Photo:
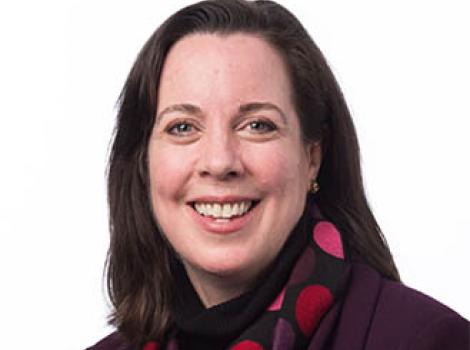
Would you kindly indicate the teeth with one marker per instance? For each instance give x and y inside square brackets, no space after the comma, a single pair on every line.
[216,209]
[223,211]
[227,210]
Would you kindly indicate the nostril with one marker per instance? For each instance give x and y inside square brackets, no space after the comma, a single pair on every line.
[232,173]
[221,172]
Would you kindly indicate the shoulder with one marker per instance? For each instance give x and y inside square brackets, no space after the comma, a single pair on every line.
[401,317]
[114,341]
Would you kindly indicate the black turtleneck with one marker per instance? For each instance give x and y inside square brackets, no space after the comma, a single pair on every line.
[216,327]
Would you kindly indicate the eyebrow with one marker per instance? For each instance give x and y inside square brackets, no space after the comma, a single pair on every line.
[258,106]
[242,110]
[182,107]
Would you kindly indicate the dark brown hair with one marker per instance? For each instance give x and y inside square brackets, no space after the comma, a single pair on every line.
[138,274]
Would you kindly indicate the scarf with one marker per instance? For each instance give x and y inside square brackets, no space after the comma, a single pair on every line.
[283,309]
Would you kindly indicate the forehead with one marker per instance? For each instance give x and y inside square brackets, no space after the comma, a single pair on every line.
[209,66]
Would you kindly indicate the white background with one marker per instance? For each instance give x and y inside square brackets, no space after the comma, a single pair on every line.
[403,66]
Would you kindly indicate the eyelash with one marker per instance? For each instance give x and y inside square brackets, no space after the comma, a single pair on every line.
[171,129]
[267,127]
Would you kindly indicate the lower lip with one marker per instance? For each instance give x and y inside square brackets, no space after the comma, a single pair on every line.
[222,226]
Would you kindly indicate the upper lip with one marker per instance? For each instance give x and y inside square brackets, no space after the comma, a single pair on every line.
[222,199]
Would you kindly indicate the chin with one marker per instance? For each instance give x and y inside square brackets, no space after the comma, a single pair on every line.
[225,265]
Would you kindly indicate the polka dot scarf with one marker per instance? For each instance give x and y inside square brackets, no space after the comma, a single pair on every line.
[284,310]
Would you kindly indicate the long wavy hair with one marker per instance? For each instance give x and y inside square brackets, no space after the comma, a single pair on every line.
[139,280]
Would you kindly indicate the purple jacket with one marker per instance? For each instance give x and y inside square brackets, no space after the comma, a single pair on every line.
[376,314]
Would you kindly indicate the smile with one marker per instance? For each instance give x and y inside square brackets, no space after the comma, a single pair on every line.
[223,210]
[226,210]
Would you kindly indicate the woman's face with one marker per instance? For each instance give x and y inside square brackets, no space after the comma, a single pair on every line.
[228,170]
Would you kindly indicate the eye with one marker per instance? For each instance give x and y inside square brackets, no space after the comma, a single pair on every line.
[261,126]
[180,129]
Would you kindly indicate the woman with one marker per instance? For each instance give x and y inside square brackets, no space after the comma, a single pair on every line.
[237,210]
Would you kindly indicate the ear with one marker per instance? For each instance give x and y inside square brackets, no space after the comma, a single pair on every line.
[314,154]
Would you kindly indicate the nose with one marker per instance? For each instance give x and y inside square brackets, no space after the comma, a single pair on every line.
[220,157]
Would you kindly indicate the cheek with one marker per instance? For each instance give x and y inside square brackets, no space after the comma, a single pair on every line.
[277,168]
[168,170]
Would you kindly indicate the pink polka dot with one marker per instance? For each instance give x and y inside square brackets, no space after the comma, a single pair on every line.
[328,238]
[247,345]
[311,304]
[277,303]
[151,345]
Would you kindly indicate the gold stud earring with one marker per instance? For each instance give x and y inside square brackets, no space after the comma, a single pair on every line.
[314,187]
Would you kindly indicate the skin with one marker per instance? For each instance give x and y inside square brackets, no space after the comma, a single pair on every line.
[213,148]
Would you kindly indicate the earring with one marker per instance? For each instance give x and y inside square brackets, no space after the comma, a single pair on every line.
[314,187]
